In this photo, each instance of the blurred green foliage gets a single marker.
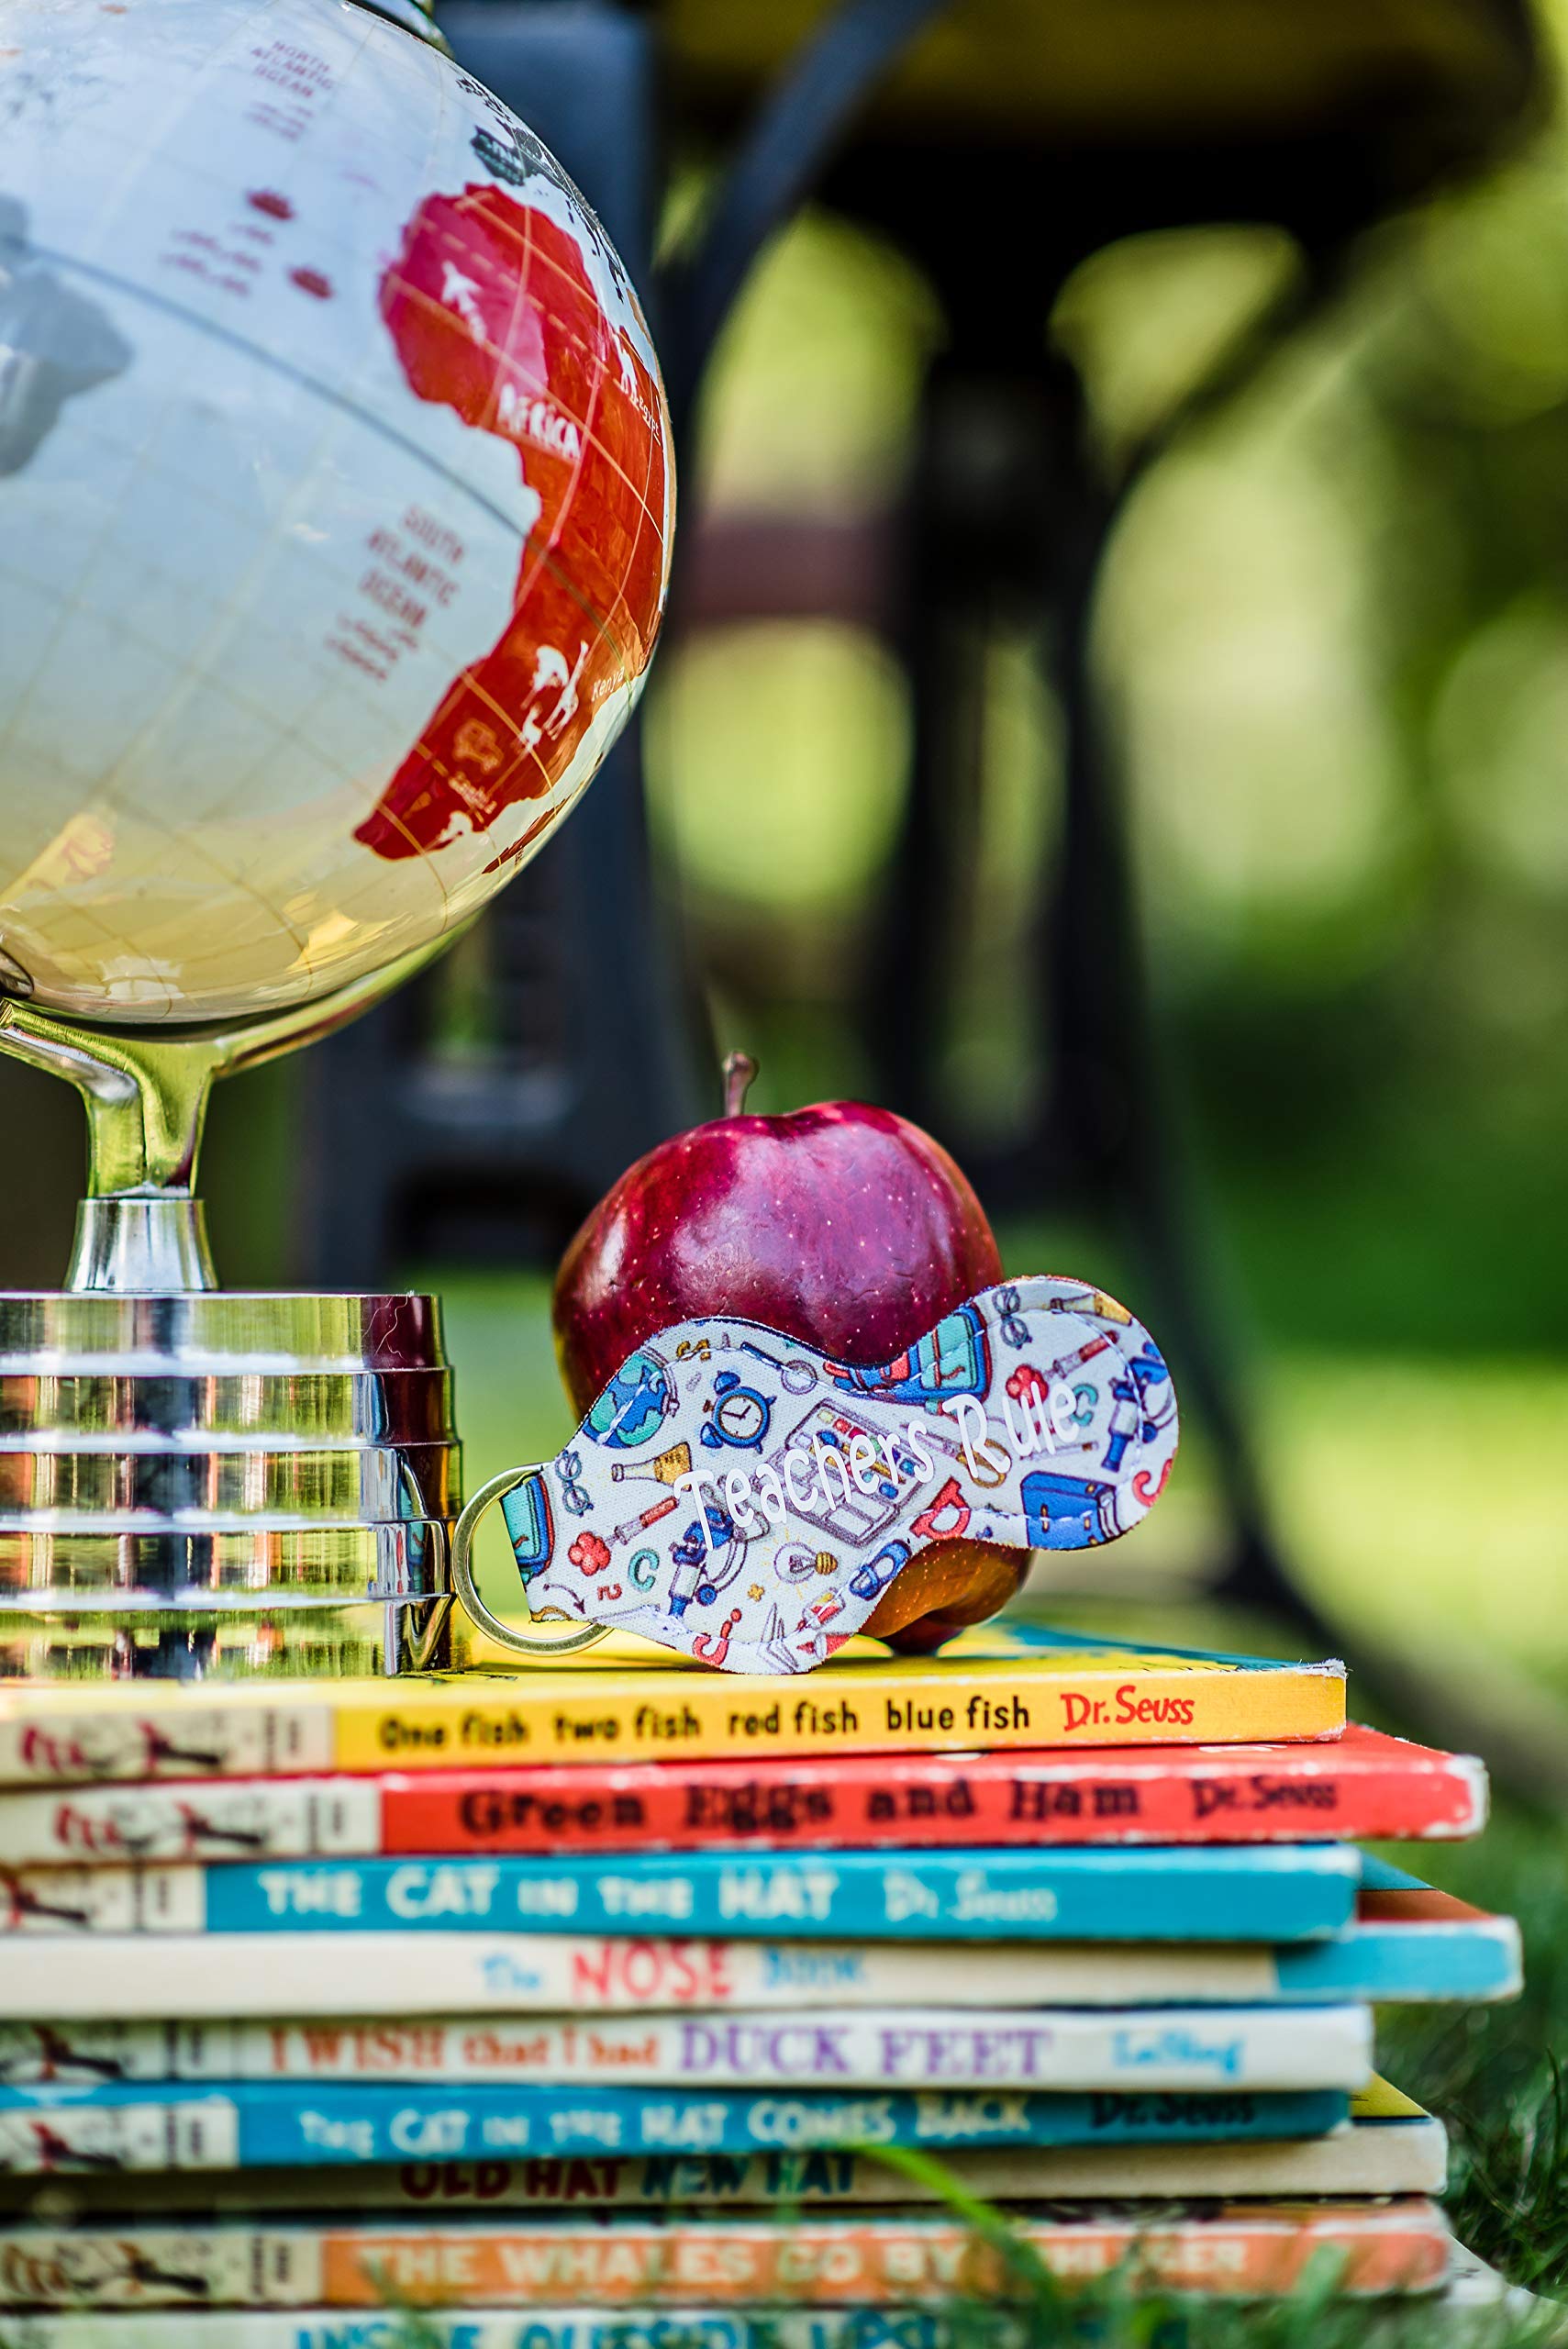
(1333, 635)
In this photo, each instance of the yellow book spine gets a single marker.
(583, 1718)
(53, 1735)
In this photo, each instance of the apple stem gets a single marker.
(739, 1069)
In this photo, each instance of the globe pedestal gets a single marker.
(213, 1483)
(195, 1483)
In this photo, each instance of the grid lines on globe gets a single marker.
(493, 312)
(85, 600)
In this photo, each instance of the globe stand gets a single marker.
(196, 1482)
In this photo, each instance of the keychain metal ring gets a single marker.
(467, 1591)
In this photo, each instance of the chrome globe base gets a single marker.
(214, 1484)
(202, 1483)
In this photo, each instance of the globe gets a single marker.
(335, 501)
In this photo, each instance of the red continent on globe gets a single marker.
(492, 313)
(841, 1225)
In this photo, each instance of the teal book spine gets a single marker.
(1409, 1942)
(287, 2124)
(1154, 1893)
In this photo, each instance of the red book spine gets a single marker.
(1363, 1786)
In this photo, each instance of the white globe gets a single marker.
(335, 500)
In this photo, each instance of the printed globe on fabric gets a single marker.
(335, 500)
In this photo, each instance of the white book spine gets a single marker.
(1407, 2156)
(236, 2266)
(78, 1743)
(181, 2134)
(317, 1976)
(239, 1819)
(915, 2047)
(55, 1902)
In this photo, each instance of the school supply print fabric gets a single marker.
(738, 1497)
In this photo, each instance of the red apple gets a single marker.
(843, 1225)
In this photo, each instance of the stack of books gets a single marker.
(795, 2011)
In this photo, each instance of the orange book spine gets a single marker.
(1259, 2252)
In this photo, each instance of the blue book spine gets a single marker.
(1214, 1893)
(1414, 1947)
(286, 2124)
(1404, 1965)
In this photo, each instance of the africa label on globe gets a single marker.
(335, 501)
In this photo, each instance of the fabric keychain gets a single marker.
(738, 1497)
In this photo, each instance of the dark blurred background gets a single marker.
(1115, 709)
